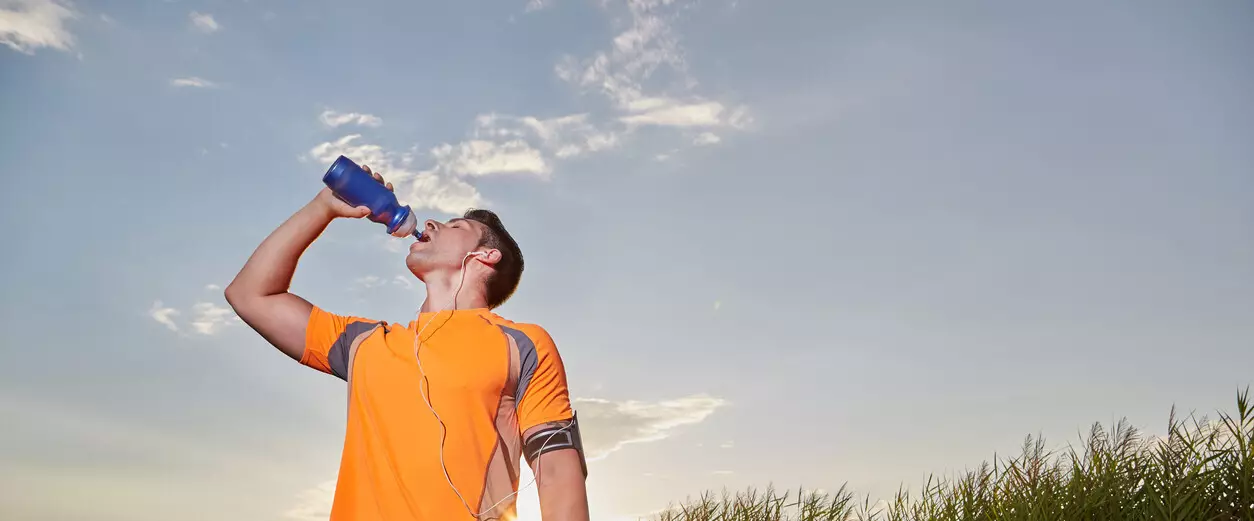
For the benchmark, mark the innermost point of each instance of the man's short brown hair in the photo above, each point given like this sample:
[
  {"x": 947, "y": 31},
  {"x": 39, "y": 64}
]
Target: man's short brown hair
[{"x": 502, "y": 283}]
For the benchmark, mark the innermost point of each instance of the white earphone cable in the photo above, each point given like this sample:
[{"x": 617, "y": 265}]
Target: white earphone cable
[{"x": 443, "y": 428}]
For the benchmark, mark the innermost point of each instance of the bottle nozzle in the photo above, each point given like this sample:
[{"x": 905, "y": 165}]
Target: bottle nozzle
[{"x": 408, "y": 227}]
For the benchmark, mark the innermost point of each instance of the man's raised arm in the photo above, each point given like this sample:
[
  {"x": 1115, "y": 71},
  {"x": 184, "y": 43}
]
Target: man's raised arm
[{"x": 259, "y": 292}]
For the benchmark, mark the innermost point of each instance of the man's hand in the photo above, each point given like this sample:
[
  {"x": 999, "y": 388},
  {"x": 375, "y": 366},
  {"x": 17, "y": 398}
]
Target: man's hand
[{"x": 336, "y": 207}]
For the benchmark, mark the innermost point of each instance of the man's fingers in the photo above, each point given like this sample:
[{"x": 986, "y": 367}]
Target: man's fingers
[{"x": 374, "y": 175}]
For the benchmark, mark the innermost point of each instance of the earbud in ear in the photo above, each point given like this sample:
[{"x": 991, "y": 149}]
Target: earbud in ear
[{"x": 476, "y": 254}]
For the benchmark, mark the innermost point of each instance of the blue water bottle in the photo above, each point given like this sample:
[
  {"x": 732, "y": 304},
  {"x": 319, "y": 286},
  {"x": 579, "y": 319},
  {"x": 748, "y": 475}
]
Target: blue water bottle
[{"x": 358, "y": 188}]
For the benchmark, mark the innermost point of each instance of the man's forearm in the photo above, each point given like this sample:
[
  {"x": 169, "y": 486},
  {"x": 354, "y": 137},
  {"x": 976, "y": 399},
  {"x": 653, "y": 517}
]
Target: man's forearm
[
  {"x": 270, "y": 268},
  {"x": 259, "y": 292}
]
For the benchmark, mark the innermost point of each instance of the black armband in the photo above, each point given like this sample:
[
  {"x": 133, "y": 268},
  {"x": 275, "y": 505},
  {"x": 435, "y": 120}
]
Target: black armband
[{"x": 556, "y": 436}]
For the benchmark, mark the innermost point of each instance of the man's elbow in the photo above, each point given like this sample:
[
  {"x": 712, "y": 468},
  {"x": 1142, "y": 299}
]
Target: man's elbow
[
  {"x": 232, "y": 295},
  {"x": 240, "y": 298}
]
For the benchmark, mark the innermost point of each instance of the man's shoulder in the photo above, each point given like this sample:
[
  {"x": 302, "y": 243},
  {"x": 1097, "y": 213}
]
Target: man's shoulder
[{"x": 538, "y": 334}]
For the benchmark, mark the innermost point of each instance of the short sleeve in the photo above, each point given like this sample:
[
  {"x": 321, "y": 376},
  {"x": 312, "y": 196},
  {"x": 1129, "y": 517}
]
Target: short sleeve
[
  {"x": 329, "y": 339},
  {"x": 543, "y": 395}
]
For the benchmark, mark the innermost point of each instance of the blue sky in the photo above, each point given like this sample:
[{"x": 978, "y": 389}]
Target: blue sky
[{"x": 791, "y": 242}]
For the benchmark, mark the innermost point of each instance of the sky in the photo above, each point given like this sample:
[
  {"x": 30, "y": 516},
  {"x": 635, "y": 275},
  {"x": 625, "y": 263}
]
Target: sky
[{"x": 800, "y": 243}]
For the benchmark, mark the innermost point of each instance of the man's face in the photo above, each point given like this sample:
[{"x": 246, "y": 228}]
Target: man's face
[{"x": 443, "y": 246}]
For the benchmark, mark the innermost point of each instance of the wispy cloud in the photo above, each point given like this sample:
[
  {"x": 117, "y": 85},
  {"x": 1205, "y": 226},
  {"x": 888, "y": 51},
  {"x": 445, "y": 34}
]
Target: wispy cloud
[
  {"x": 420, "y": 189},
  {"x": 369, "y": 281},
  {"x": 668, "y": 112},
  {"x": 510, "y": 144},
  {"x": 563, "y": 136},
  {"x": 194, "y": 82},
  {"x": 164, "y": 315},
  {"x": 607, "y": 426},
  {"x": 334, "y": 119},
  {"x": 209, "y": 318},
  {"x": 478, "y": 157},
  {"x": 628, "y": 74},
  {"x": 204, "y": 22},
  {"x": 28, "y": 25},
  {"x": 706, "y": 138}
]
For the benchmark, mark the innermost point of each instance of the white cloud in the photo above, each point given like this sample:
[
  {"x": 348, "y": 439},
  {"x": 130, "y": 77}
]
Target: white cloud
[
  {"x": 669, "y": 112},
  {"x": 204, "y": 22},
  {"x": 313, "y": 504},
  {"x": 193, "y": 81},
  {"x": 636, "y": 55},
  {"x": 212, "y": 287},
  {"x": 727, "y": 445},
  {"x": 563, "y": 136},
  {"x": 369, "y": 281},
  {"x": 164, "y": 315},
  {"x": 479, "y": 157},
  {"x": 645, "y": 77},
  {"x": 210, "y": 318},
  {"x": 706, "y": 138},
  {"x": 207, "y": 318},
  {"x": 608, "y": 426},
  {"x": 420, "y": 189},
  {"x": 403, "y": 281},
  {"x": 334, "y": 119},
  {"x": 363, "y": 154},
  {"x": 27, "y": 25}
]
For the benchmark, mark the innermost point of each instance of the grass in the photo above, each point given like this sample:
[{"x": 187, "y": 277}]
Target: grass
[{"x": 1201, "y": 471}]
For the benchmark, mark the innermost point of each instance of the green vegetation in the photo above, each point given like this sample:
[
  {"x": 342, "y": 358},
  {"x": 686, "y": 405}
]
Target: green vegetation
[{"x": 1202, "y": 470}]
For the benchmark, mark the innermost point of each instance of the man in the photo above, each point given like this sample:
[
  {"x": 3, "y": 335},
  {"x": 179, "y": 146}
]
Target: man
[{"x": 440, "y": 409}]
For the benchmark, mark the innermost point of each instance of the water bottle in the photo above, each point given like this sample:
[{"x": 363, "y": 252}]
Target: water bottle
[{"x": 356, "y": 187}]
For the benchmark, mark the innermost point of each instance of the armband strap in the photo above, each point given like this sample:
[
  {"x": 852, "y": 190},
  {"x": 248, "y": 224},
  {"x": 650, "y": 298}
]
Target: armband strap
[{"x": 556, "y": 436}]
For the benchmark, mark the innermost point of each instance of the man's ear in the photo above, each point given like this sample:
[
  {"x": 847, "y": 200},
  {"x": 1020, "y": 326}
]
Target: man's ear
[{"x": 490, "y": 257}]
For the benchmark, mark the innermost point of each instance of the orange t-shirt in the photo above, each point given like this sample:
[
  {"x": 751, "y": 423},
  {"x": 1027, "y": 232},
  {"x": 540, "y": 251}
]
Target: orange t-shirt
[{"x": 489, "y": 379}]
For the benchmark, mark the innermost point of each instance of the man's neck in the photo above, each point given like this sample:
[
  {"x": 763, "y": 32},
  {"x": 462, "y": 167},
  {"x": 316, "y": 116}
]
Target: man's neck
[{"x": 440, "y": 291}]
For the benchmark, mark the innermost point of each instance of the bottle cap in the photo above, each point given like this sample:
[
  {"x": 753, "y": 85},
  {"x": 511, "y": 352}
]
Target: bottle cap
[{"x": 408, "y": 227}]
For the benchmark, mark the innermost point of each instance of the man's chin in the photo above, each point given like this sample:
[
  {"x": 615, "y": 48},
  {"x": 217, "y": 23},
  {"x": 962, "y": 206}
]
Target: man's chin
[{"x": 415, "y": 266}]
